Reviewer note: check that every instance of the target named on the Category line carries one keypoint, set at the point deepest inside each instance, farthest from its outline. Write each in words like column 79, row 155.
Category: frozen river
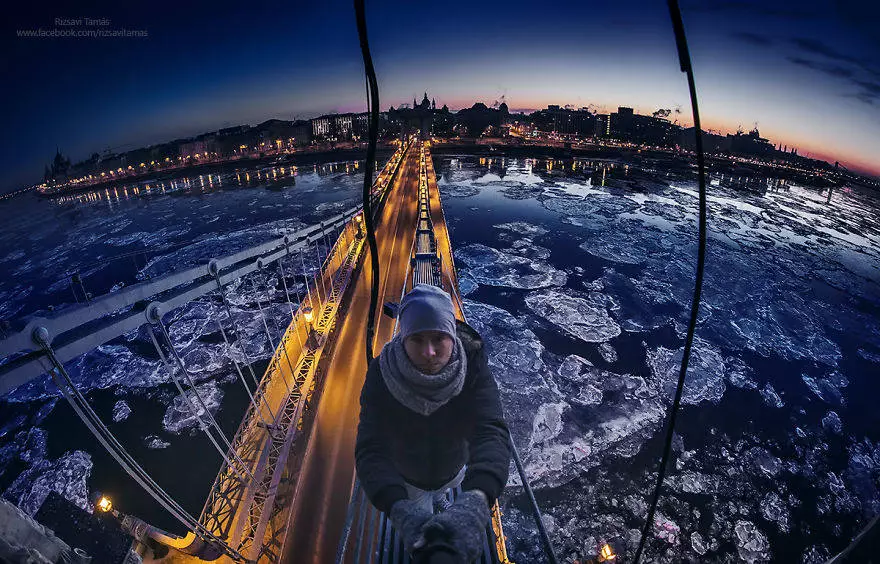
column 579, row 275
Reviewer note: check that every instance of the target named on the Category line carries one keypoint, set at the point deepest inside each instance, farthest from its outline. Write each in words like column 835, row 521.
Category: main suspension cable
column 684, row 59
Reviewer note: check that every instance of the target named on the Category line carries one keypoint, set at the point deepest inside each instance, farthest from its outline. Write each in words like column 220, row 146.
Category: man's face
column 429, row 351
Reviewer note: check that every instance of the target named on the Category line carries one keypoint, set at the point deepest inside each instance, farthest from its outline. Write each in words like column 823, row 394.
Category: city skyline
column 809, row 77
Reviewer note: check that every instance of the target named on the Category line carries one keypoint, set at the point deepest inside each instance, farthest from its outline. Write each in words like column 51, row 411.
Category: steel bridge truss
column 249, row 511
column 262, row 442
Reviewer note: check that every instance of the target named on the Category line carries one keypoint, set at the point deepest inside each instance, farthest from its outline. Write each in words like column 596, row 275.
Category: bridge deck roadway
column 319, row 507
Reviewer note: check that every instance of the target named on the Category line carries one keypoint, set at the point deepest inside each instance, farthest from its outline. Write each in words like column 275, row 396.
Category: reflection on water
column 275, row 177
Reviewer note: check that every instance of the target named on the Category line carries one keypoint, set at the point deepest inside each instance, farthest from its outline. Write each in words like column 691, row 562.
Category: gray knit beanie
column 426, row 308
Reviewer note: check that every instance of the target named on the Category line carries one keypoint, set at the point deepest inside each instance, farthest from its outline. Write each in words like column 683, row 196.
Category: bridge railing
column 80, row 328
column 245, row 509
column 69, row 333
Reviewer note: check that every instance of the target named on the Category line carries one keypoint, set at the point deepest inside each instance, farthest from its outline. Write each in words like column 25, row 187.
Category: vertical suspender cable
column 684, row 59
column 289, row 303
column 238, row 333
column 212, row 422
column 283, row 343
column 82, row 408
column 373, row 136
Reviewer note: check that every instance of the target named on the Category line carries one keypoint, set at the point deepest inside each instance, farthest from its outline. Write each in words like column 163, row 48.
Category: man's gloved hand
column 462, row 526
column 407, row 516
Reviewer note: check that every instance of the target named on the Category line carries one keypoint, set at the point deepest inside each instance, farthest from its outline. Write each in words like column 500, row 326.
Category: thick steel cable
column 262, row 315
column 192, row 407
column 289, row 303
column 373, row 137
column 684, row 59
column 241, row 377
column 843, row 555
column 306, row 279
column 238, row 333
column 211, row 420
column 282, row 344
column 319, row 272
column 104, row 436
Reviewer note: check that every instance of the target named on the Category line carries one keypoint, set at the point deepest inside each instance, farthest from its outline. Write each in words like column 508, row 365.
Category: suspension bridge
column 286, row 490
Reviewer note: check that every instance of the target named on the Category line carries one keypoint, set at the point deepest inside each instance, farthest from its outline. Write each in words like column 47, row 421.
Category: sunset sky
column 808, row 73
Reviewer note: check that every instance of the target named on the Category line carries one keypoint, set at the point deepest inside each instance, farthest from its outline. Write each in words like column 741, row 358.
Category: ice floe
column 609, row 354
column 771, row 397
column 832, row 423
column 492, row 267
column 179, row 416
column 154, row 442
column 458, row 190
column 585, row 318
column 68, row 475
column 705, row 377
column 751, row 543
column 121, row 411
column 828, row 388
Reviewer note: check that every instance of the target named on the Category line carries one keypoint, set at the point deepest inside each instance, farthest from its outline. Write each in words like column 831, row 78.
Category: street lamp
column 359, row 223
column 606, row 554
column 312, row 336
column 104, row 504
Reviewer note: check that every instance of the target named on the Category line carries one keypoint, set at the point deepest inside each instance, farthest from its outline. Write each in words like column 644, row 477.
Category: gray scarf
column 422, row 393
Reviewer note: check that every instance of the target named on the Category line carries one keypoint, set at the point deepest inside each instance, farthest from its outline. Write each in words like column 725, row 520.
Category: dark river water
column 579, row 276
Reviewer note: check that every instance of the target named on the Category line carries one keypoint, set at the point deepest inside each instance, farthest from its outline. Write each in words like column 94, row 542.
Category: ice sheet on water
column 515, row 359
column 738, row 374
column 666, row 529
column 179, row 416
column 12, row 301
column 698, row 544
column 121, row 411
column 33, row 444
column 152, row 240
column 705, row 378
column 154, row 442
column 522, row 229
column 827, row 388
column 104, row 367
column 68, row 475
column 609, row 354
column 547, row 423
column 775, row 509
column 466, row 284
column 528, row 249
column 522, row 191
column 770, row 396
column 863, row 474
column 458, row 190
column 832, row 423
column 575, row 369
column 492, row 267
column 751, row 543
column 621, row 246
column 585, row 318
column 214, row 246
column 604, row 205
column 514, row 350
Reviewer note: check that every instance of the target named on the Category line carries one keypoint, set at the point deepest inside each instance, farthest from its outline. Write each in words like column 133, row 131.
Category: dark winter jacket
column 396, row 445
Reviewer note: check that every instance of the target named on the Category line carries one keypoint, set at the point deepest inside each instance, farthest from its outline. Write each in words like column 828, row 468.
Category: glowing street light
column 606, row 554
column 104, row 504
column 308, row 314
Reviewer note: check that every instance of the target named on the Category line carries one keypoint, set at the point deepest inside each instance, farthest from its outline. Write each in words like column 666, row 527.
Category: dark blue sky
column 808, row 73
